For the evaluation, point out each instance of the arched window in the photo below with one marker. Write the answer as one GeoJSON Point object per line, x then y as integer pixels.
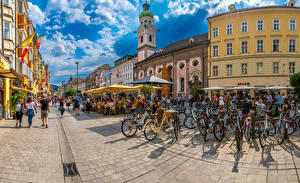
{"type": "Point", "coordinates": [150, 72]}
{"type": "Point", "coordinates": [196, 78]}
{"type": "Point", "coordinates": [181, 84]}
{"type": "Point", "coordinates": [150, 38]}
{"type": "Point", "coordinates": [142, 39]}
{"type": "Point", "coordinates": [195, 63]}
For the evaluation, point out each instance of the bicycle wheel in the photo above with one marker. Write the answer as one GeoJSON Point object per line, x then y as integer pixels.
{"type": "Point", "coordinates": [238, 140]}
{"type": "Point", "coordinates": [292, 127]}
{"type": "Point", "coordinates": [202, 127]}
{"type": "Point", "coordinates": [182, 117]}
{"type": "Point", "coordinates": [281, 134]}
{"type": "Point", "coordinates": [190, 122]}
{"type": "Point", "coordinates": [247, 133]}
{"type": "Point", "coordinates": [262, 138]}
{"type": "Point", "coordinates": [148, 132]}
{"type": "Point", "coordinates": [219, 130]}
{"type": "Point", "coordinates": [271, 128]}
{"type": "Point", "coordinates": [128, 127]}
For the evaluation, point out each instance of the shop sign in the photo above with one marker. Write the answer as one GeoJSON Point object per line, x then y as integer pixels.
{"type": "Point", "coordinates": [244, 84]}
{"type": "Point", "coordinates": [17, 83]}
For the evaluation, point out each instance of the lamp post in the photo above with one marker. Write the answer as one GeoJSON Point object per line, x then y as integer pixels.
{"type": "Point", "coordinates": [77, 76]}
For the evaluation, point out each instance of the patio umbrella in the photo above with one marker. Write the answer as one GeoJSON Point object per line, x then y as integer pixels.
{"type": "Point", "coordinates": [113, 88]}
{"type": "Point", "coordinates": [213, 88]}
{"type": "Point", "coordinates": [278, 88]}
{"type": "Point", "coordinates": [152, 80]}
{"type": "Point", "coordinates": [244, 88]}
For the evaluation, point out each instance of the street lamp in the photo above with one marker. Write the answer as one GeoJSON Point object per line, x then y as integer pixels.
{"type": "Point", "coordinates": [77, 76]}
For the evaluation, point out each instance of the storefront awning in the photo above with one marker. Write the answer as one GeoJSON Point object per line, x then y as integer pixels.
{"type": "Point", "coordinates": [9, 73]}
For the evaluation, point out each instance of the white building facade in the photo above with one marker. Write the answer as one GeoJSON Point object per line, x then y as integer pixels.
{"type": "Point", "coordinates": [122, 73]}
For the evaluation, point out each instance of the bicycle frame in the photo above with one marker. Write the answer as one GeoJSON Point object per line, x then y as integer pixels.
{"type": "Point", "coordinates": [160, 127]}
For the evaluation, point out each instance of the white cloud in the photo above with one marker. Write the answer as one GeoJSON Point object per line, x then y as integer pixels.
{"type": "Point", "coordinates": [36, 15]}
{"type": "Point", "coordinates": [156, 18]}
{"type": "Point", "coordinates": [73, 9]}
{"type": "Point", "coordinates": [190, 7]}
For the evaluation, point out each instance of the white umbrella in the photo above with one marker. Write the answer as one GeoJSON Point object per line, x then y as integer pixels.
{"type": "Point", "coordinates": [278, 88]}
{"type": "Point", "coordinates": [245, 88]}
{"type": "Point", "coordinates": [213, 88]}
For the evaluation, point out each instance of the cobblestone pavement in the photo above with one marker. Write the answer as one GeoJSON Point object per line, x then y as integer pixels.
{"type": "Point", "coordinates": [30, 155]}
{"type": "Point", "coordinates": [103, 154]}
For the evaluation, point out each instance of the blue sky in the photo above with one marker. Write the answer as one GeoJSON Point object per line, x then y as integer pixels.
{"type": "Point", "coordinates": [95, 32]}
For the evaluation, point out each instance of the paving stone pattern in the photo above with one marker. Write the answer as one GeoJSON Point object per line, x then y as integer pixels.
{"type": "Point", "coordinates": [104, 155]}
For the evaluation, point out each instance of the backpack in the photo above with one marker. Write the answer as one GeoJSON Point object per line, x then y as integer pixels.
{"type": "Point", "coordinates": [18, 107]}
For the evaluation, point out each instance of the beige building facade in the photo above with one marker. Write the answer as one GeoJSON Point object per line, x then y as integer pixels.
{"type": "Point", "coordinates": [254, 47]}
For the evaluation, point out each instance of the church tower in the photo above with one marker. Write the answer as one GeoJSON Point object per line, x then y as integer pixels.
{"type": "Point", "coordinates": [146, 33]}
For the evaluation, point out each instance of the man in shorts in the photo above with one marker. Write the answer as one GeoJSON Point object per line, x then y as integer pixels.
{"type": "Point", "coordinates": [76, 106]}
{"type": "Point", "coordinates": [45, 109]}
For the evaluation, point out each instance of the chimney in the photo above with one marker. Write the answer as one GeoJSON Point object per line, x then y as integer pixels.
{"type": "Point", "coordinates": [232, 8]}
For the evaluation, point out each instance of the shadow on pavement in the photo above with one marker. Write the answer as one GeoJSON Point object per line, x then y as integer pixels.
{"type": "Point", "coordinates": [106, 130]}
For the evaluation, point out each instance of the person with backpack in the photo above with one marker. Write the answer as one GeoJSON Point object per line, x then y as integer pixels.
{"type": "Point", "coordinates": [76, 106]}
{"type": "Point", "coordinates": [19, 112]}
{"type": "Point", "coordinates": [274, 109]}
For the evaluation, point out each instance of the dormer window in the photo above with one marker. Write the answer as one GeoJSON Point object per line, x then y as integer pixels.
{"type": "Point", "coordinates": [191, 40]}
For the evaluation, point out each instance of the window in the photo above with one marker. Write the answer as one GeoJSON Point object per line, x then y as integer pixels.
{"type": "Point", "coordinates": [244, 69]}
{"type": "Point", "coordinates": [6, 2]}
{"type": "Point", "coordinates": [229, 29]}
{"type": "Point", "coordinates": [181, 65]}
{"type": "Point", "coordinates": [142, 39]}
{"type": "Point", "coordinates": [215, 31]}
{"type": "Point", "coordinates": [260, 25]}
{"type": "Point", "coordinates": [275, 67]}
{"type": "Point", "coordinates": [292, 45]}
{"type": "Point", "coordinates": [275, 45]}
{"type": "Point", "coordinates": [195, 63]}
{"type": "Point", "coordinates": [244, 26]}
{"type": "Point", "coordinates": [159, 70]}
{"type": "Point", "coordinates": [150, 72]}
{"type": "Point", "coordinates": [292, 24]}
{"type": "Point", "coordinates": [292, 67]}
{"type": "Point", "coordinates": [244, 47]}
{"type": "Point", "coordinates": [6, 30]}
{"type": "Point", "coordinates": [276, 24]}
{"type": "Point", "coordinates": [229, 70]}
{"type": "Point", "coordinates": [181, 84]}
{"type": "Point", "coordinates": [229, 49]}
{"type": "Point", "coordinates": [215, 71]}
{"type": "Point", "coordinates": [260, 46]}
{"type": "Point", "coordinates": [259, 69]}
{"type": "Point", "coordinates": [150, 38]}
{"type": "Point", "coordinates": [215, 51]}
{"type": "Point", "coordinates": [196, 78]}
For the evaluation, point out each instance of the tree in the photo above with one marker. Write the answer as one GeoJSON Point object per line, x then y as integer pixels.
{"type": "Point", "coordinates": [295, 82]}
{"type": "Point", "coordinates": [146, 90]}
{"type": "Point", "coordinates": [70, 92]}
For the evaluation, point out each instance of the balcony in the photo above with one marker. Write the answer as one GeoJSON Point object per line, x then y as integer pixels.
{"type": "Point", "coordinates": [22, 22]}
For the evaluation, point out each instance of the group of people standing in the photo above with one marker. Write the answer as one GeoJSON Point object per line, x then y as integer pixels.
{"type": "Point", "coordinates": [30, 110]}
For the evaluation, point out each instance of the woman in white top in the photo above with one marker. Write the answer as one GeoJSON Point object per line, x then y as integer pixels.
{"type": "Point", "coordinates": [30, 110]}
{"type": "Point", "coordinates": [221, 100]}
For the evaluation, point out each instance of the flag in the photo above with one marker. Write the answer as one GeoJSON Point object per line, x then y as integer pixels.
{"type": "Point", "coordinates": [39, 42]}
{"type": "Point", "coordinates": [26, 43]}
{"type": "Point", "coordinates": [118, 73]}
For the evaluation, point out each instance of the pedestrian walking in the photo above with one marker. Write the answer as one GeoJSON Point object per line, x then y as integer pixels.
{"type": "Point", "coordinates": [68, 101]}
{"type": "Point", "coordinates": [19, 112]}
{"type": "Point", "coordinates": [76, 106]}
{"type": "Point", "coordinates": [45, 109]}
{"type": "Point", "coordinates": [61, 107]}
{"type": "Point", "coordinates": [30, 110]}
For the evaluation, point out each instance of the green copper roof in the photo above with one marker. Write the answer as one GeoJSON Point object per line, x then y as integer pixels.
{"type": "Point", "coordinates": [146, 13]}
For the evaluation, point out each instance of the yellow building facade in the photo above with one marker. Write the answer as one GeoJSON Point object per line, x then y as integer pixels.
{"type": "Point", "coordinates": [254, 47]}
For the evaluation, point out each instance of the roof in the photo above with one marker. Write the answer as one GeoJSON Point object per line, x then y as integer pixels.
{"type": "Point", "coordinates": [146, 13]}
{"type": "Point", "coordinates": [124, 59]}
{"type": "Point", "coordinates": [201, 39]}
{"type": "Point", "coordinates": [249, 9]}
